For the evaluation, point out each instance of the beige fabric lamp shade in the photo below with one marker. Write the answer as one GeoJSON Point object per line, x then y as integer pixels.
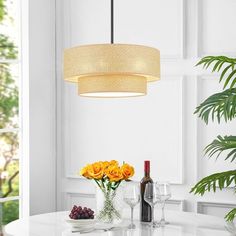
{"type": "Point", "coordinates": [111, 70]}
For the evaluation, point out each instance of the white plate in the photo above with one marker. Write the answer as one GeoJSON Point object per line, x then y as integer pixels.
{"type": "Point", "coordinates": [81, 222]}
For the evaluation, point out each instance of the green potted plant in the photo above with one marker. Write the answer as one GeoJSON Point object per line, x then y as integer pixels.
{"type": "Point", "coordinates": [220, 107]}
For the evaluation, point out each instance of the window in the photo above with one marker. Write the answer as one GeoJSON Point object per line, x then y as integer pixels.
{"type": "Point", "coordinates": [10, 128]}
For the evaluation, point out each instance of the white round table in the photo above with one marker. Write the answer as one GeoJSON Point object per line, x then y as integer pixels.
{"type": "Point", "coordinates": [181, 224]}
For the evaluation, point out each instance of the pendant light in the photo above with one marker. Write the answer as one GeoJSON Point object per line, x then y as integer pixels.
{"type": "Point", "coordinates": [111, 70]}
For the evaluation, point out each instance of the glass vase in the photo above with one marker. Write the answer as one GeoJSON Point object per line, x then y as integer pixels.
{"type": "Point", "coordinates": [109, 205]}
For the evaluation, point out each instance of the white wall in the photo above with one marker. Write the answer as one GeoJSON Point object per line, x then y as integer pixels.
{"type": "Point", "coordinates": [42, 108]}
{"type": "Point", "coordinates": [161, 126]}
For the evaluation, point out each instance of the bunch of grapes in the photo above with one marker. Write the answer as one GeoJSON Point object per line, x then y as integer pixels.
{"type": "Point", "coordinates": [79, 212]}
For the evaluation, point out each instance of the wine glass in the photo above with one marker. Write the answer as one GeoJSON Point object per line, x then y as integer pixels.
{"type": "Point", "coordinates": [132, 198]}
{"type": "Point", "coordinates": [163, 193]}
{"type": "Point", "coordinates": [151, 197]}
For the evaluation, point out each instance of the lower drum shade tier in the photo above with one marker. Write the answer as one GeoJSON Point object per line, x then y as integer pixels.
{"type": "Point", "coordinates": [112, 86]}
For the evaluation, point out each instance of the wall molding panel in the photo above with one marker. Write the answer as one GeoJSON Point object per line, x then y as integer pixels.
{"type": "Point", "coordinates": [207, 10]}
{"type": "Point", "coordinates": [144, 36]}
{"type": "Point", "coordinates": [214, 208]}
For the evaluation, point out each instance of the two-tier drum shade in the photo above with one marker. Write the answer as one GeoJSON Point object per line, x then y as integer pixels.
{"type": "Point", "coordinates": [111, 70]}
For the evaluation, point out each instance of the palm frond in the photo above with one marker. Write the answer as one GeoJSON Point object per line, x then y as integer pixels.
{"type": "Point", "coordinates": [218, 105]}
{"type": "Point", "coordinates": [211, 182]}
{"type": "Point", "coordinates": [231, 215]}
{"type": "Point", "coordinates": [228, 73]}
{"type": "Point", "coordinates": [221, 144]}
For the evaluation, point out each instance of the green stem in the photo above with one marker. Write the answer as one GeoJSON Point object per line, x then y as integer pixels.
{"type": "Point", "coordinates": [96, 181]}
{"type": "Point", "coordinates": [109, 213]}
{"type": "Point", "coordinates": [103, 183]}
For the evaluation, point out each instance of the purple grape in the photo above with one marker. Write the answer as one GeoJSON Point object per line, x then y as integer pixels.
{"type": "Point", "coordinates": [78, 212]}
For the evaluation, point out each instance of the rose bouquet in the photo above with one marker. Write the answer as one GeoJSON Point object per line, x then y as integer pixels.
{"type": "Point", "coordinates": [108, 175]}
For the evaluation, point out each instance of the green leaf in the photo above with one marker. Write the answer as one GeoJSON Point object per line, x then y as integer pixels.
{"type": "Point", "coordinates": [211, 182]}
{"type": "Point", "coordinates": [217, 65]}
{"type": "Point", "coordinates": [7, 48]}
{"type": "Point", "coordinates": [217, 106]}
{"type": "Point", "coordinates": [224, 72]}
{"type": "Point", "coordinates": [221, 144]}
{"type": "Point", "coordinates": [3, 12]}
{"type": "Point", "coordinates": [221, 64]}
{"type": "Point", "coordinates": [231, 215]}
{"type": "Point", "coordinates": [229, 77]}
{"type": "Point", "coordinates": [218, 62]}
{"type": "Point", "coordinates": [233, 82]}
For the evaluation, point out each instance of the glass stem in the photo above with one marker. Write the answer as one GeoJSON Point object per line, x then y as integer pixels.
{"type": "Point", "coordinates": [163, 213]}
{"type": "Point", "coordinates": [132, 215]}
{"type": "Point", "coordinates": [152, 215]}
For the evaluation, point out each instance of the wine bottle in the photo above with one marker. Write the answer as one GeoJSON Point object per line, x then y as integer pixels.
{"type": "Point", "coordinates": [145, 208]}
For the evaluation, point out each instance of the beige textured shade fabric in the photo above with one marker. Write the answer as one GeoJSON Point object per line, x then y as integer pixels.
{"type": "Point", "coordinates": [118, 69]}
{"type": "Point", "coordinates": [112, 86]}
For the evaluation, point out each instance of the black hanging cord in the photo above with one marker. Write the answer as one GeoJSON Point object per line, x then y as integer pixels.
{"type": "Point", "coordinates": [112, 21]}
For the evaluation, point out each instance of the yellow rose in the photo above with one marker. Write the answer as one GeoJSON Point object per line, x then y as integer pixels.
{"type": "Point", "coordinates": [96, 170]}
{"type": "Point", "coordinates": [113, 172]}
{"type": "Point", "coordinates": [113, 162]}
{"type": "Point", "coordinates": [84, 172]}
{"type": "Point", "coordinates": [105, 164]}
{"type": "Point", "coordinates": [127, 171]}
